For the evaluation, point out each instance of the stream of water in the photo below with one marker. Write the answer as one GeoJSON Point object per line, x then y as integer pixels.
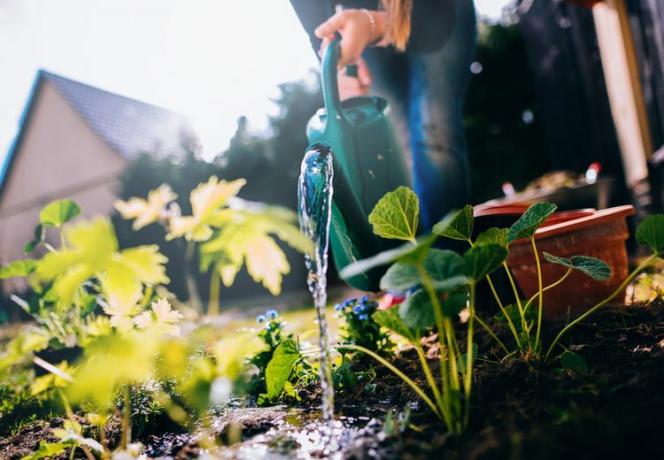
{"type": "Point", "coordinates": [315, 205]}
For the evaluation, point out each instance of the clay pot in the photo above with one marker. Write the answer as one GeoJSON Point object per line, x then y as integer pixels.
{"type": "Point", "coordinates": [601, 234]}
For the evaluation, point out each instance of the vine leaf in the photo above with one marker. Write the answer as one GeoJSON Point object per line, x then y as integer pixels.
{"type": "Point", "coordinates": [650, 232]}
{"type": "Point", "coordinates": [595, 268]}
{"type": "Point", "coordinates": [280, 367]}
{"type": "Point", "coordinates": [57, 213]}
{"type": "Point", "coordinates": [444, 267]}
{"type": "Point", "coordinates": [530, 221]}
{"type": "Point", "coordinates": [458, 226]}
{"type": "Point", "coordinates": [493, 235]}
{"type": "Point", "coordinates": [482, 259]}
{"type": "Point", "coordinates": [396, 215]}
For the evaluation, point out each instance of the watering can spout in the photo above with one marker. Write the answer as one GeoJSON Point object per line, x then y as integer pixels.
{"type": "Point", "coordinates": [367, 162]}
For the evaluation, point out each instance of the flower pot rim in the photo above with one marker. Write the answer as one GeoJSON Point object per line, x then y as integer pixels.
{"type": "Point", "coordinates": [597, 218]}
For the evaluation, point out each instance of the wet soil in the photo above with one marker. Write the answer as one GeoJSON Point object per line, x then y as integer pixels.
{"type": "Point", "coordinates": [520, 409]}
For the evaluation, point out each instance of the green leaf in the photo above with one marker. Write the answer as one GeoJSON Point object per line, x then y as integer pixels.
{"type": "Point", "coordinates": [417, 311]}
{"type": "Point", "coordinates": [481, 260]}
{"type": "Point", "coordinates": [408, 251]}
{"type": "Point", "coordinates": [440, 265]}
{"type": "Point", "coordinates": [390, 319]}
{"type": "Point", "coordinates": [493, 236]}
{"type": "Point", "coordinates": [396, 215]}
{"type": "Point", "coordinates": [36, 240]}
{"type": "Point", "coordinates": [512, 311]}
{"type": "Point", "coordinates": [573, 362]}
{"type": "Point", "coordinates": [280, 367]}
{"type": "Point", "coordinates": [56, 213]}
{"type": "Point", "coordinates": [530, 221]}
{"type": "Point", "coordinates": [459, 226]}
{"type": "Point", "coordinates": [650, 232]}
{"type": "Point", "coordinates": [595, 268]}
{"type": "Point", "coordinates": [46, 450]}
{"type": "Point", "coordinates": [18, 268]}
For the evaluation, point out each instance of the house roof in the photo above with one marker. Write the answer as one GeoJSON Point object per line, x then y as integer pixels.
{"type": "Point", "coordinates": [128, 126]}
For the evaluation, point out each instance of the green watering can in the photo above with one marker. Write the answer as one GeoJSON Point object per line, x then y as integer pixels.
{"type": "Point", "coordinates": [367, 162]}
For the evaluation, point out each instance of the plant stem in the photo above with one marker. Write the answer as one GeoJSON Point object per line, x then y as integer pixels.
{"type": "Point", "coordinates": [540, 305]}
{"type": "Point", "coordinates": [438, 314]}
{"type": "Point", "coordinates": [444, 411]}
{"type": "Point", "coordinates": [468, 378]}
{"type": "Point", "coordinates": [492, 334]}
{"type": "Point", "coordinates": [126, 419]}
{"type": "Point", "coordinates": [546, 288]}
{"type": "Point", "coordinates": [504, 312]}
{"type": "Point", "coordinates": [215, 287]}
{"type": "Point", "coordinates": [400, 374]}
{"type": "Point", "coordinates": [192, 287]}
{"type": "Point", "coordinates": [524, 325]}
{"type": "Point", "coordinates": [645, 264]}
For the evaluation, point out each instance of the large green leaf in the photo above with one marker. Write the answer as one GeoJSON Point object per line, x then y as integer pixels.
{"type": "Point", "coordinates": [493, 236]}
{"type": "Point", "coordinates": [280, 367]}
{"type": "Point", "coordinates": [18, 268]}
{"type": "Point", "coordinates": [440, 265]}
{"type": "Point", "coordinates": [530, 221]}
{"type": "Point", "coordinates": [457, 227]}
{"type": "Point", "coordinates": [57, 213]}
{"type": "Point", "coordinates": [391, 320]}
{"type": "Point", "coordinates": [650, 232]}
{"type": "Point", "coordinates": [595, 268]}
{"type": "Point", "coordinates": [396, 215]}
{"type": "Point", "coordinates": [417, 311]}
{"type": "Point", "coordinates": [482, 259]}
{"type": "Point", "coordinates": [408, 251]}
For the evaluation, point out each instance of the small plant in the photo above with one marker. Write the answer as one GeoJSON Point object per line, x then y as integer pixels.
{"type": "Point", "coordinates": [360, 328]}
{"type": "Point", "coordinates": [229, 233]}
{"type": "Point", "coordinates": [281, 366]}
{"type": "Point", "coordinates": [441, 284]}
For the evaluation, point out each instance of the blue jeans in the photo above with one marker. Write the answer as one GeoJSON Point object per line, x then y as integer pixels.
{"type": "Point", "coordinates": [426, 93]}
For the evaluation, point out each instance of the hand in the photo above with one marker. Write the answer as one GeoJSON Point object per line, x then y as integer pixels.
{"type": "Point", "coordinates": [354, 86]}
{"type": "Point", "coordinates": [356, 32]}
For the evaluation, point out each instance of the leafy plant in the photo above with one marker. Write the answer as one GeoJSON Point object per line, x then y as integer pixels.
{"type": "Point", "coordinates": [229, 233]}
{"type": "Point", "coordinates": [360, 328]}
{"type": "Point", "coordinates": [440, 285]}
{"type": "Point", "coordinates": [280, 364]}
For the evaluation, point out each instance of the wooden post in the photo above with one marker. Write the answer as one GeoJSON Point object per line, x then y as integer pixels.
{"type": "Point", "coordinates": [623, 85]}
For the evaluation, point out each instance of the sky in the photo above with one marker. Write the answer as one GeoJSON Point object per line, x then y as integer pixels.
{"type": "Point", "coordinates": [212, 60]}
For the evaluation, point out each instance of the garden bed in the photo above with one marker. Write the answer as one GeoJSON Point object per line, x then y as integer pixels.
{"type": "Point", "coordinates": [520, 409]}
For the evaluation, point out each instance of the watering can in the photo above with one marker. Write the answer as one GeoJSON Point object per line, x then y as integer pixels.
{"type": "Point", "coordinates": [367, 162]}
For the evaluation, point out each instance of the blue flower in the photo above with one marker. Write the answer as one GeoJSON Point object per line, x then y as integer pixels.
{"type": "Point", "coordinates": [338, 307]}
{"type": "Point", "coordinates": [363, 317]}
{"type": "Point", "coordinates": [359, 309]}
{"type": "Point", "coordinates": [260, 319]}
{"type": "Point", "coordinates": [365, 299]}
{"type": "Point", "coordinates": [271, 314]}
{"type": "Point", "coordinates": [349, 302]}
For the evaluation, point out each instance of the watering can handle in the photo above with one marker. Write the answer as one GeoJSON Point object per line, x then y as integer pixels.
{"type": "Point", "coordinates": [329, 83]}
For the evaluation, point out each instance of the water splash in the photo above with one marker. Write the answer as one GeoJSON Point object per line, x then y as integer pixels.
{"type": "Point", "coordinates": [315, 205]}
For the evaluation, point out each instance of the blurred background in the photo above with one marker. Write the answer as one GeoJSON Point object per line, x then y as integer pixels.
{"type": "Point", "coordinates": [109, 99]}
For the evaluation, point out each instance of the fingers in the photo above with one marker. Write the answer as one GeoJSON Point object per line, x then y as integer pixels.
{"type": "Point", "coordinates": [332, 25]}
{"type": "Point", "coordinates": [363, 73]}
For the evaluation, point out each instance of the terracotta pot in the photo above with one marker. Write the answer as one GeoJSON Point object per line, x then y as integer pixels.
{"type": "Point", "coordinates": [601, 234]}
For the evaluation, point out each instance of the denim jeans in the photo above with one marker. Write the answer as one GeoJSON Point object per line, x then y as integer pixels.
{"type": "Point", "coordinates": [426, 93]}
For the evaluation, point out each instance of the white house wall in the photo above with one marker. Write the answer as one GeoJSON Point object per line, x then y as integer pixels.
{"type": "Point", "coordinates": [59, 157]}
